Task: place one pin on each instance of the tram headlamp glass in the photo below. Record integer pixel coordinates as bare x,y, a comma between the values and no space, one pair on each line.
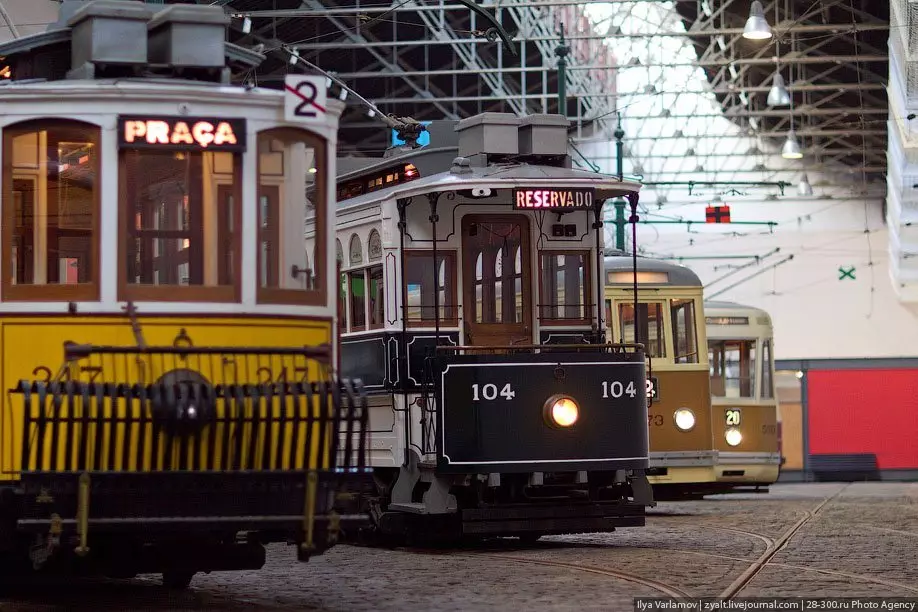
561,411
685,419
733,436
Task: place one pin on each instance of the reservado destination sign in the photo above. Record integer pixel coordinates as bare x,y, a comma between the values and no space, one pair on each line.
549,198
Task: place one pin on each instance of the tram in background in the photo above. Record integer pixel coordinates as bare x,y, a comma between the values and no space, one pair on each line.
472,282
683,455
172,399
741,357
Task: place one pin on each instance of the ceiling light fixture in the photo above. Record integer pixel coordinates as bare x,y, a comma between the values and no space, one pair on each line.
791,148
804,188
778,94
756,26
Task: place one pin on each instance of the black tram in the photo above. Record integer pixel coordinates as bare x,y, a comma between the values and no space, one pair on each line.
471,292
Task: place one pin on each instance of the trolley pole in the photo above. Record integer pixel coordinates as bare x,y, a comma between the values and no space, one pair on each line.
620,202
562,52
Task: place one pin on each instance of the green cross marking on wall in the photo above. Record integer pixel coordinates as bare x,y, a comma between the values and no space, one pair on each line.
844,273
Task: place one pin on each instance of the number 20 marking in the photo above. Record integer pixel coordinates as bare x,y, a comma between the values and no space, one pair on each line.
616,389
489,392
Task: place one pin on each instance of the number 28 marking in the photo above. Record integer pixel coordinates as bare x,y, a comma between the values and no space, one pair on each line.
489,392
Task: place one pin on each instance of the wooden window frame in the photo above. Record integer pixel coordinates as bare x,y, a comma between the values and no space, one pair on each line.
177,293
453,280
84,292
673,306
351,297
319,294
663,303
366,279
587,290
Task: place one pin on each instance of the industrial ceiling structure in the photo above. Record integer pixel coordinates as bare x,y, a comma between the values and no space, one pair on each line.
799,100
443,60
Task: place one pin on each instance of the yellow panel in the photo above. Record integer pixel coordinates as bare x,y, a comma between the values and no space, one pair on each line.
757,424
680,389
33,350
792,436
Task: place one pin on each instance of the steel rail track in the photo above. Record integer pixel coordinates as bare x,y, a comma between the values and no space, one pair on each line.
743,580
662,587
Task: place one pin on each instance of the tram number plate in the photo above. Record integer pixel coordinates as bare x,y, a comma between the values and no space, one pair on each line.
733,417
653,388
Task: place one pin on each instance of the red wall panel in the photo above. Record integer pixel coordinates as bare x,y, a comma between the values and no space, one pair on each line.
865,411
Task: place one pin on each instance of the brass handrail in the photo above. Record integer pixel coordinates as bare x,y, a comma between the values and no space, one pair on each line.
516,347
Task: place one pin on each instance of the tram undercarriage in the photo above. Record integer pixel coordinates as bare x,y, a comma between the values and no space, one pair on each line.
423,507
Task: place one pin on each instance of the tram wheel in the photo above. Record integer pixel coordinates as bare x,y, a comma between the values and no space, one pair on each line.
177,580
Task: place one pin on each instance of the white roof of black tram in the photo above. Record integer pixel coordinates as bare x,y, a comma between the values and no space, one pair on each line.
499,176
677,275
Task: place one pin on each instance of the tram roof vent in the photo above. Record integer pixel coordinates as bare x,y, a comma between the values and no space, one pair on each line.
488,134
108,32
543,135
188,36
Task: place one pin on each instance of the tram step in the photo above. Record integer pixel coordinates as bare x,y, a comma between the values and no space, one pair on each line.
409,507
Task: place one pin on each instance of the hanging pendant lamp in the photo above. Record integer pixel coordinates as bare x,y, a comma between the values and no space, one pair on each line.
778,94
804,188
791,148
756,26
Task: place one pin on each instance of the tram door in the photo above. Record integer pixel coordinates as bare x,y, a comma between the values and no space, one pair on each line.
496,279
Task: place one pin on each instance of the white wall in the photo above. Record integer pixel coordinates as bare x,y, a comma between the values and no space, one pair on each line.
815,314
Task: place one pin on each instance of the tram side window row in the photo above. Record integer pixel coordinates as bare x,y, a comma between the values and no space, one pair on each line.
564,289
734,368
179,210
652,328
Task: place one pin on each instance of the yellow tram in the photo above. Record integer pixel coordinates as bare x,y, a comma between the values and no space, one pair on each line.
168,337
740,352
683,454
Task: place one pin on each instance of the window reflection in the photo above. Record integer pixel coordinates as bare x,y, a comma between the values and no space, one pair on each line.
419,296
684,341
497,252
291,207
50,205
564,287
767,365
732,366
650,330
182,217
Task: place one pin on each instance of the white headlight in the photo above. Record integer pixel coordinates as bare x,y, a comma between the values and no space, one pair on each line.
685,419
561,411
733,436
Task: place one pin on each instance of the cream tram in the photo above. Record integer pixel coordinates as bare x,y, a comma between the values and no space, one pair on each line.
740,354
471,279
168,341
683,454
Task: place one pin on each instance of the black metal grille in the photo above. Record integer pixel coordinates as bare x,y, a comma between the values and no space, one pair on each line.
191,409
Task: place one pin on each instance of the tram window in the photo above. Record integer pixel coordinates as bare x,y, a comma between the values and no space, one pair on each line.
365,291
767,364
342,302
51,207
497,250
732,367
419,288
685,345
292,204
181,217
375,298
357,291
564,288
650,321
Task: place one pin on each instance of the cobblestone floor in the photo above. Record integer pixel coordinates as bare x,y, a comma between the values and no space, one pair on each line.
864,542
